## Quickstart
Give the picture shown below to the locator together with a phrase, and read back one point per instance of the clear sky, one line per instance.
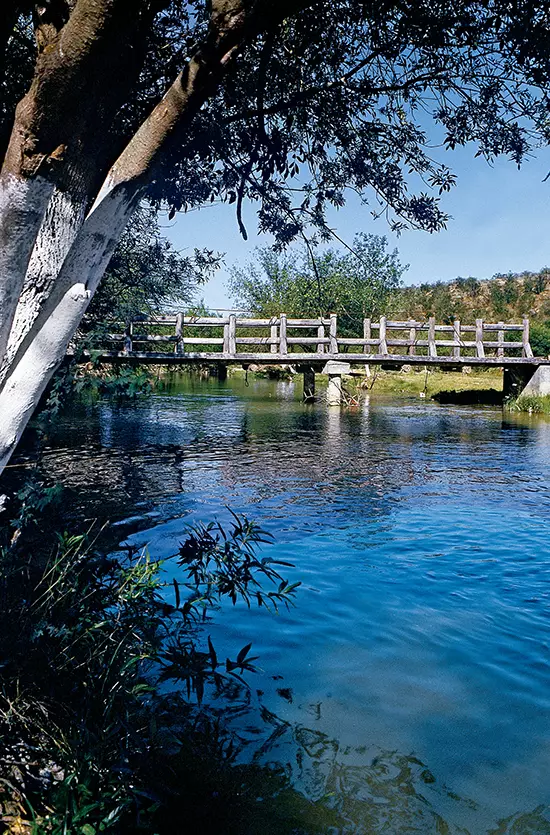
(500, 222)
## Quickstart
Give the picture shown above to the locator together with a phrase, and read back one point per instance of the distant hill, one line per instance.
(505, 298)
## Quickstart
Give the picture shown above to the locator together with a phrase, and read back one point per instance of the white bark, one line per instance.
(23, 203)
(59, 228)
(44, 348)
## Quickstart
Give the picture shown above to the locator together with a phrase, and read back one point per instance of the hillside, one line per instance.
(504, 298)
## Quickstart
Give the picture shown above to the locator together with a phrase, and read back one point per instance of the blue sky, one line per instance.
(500, 222)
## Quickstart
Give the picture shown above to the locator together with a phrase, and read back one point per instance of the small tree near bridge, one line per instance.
(109, 102)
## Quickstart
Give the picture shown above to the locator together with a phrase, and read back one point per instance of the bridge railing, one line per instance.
(281, 336)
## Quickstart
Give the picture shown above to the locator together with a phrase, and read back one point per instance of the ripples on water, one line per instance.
(415, 666)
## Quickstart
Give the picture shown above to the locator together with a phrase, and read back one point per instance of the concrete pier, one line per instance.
(335, 370)
(526, 380)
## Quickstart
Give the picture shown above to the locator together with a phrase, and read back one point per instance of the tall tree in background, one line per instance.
(354, 284)
(285, 104)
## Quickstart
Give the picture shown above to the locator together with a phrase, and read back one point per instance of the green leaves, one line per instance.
(354, 284)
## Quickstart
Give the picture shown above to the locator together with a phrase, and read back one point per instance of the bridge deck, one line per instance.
(313, 360)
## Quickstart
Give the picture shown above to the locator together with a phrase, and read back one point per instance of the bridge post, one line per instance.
(456, 338)
(179, 334)
(309, 383)
(333, 347)
(222, 371)
(231, 334)
(128, 338)
(283, 346)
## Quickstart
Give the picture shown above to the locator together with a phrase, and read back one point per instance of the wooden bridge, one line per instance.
(314, 345)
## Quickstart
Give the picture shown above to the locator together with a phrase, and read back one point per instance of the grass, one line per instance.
(432, 382)
(530, 403)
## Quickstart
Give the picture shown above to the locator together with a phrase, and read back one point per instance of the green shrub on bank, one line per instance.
(104, 671)
(539, 337)
(530, 403)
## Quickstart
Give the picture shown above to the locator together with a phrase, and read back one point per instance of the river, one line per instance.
(410, 683)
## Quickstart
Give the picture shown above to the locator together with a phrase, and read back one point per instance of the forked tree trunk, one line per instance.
(43, 348)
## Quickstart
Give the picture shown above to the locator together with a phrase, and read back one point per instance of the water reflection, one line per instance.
(420, 533)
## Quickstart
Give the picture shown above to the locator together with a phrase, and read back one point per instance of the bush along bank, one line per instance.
(532, 404)
(106, 673)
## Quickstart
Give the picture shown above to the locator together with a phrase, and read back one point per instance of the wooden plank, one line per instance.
(333, 345)
(196, 340)
(232, 347)
(412, 341)
(456, 340)
(319, 359)
(321, 342)
(498, 326)
(305, 323)
(403, 326)
(196, 321)
(179, 328)
(226, 338)
(310, 340)
(367, 335)
(479, 338)
(257, 323)
(274, 338)
(500, 344)
(283, 345)
(432, 350)
(382, 344)
(526, 352)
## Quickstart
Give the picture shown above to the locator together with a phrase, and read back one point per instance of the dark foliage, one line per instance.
(342, 95)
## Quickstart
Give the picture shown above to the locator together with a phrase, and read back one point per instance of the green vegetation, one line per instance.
(432, 382)
(106, 671)
(530, 403)
(502, 298)
(354, 284)
(147, 275)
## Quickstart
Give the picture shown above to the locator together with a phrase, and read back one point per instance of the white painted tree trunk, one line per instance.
(62, 220)
(45, 344)
(23, 203)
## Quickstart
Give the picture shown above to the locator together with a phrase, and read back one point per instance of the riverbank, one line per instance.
(428, 382)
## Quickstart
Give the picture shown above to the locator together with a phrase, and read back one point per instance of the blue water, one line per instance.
(410, 684)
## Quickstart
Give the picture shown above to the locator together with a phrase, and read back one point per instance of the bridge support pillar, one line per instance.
(335, 370)
(525, 380)
(309, 383)
(222, 371)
